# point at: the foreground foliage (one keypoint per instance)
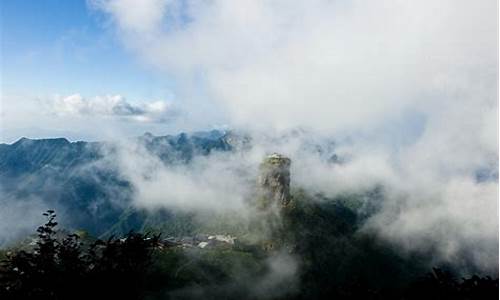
(335, 262)
(68, 269)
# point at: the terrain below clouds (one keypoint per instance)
(180, 184)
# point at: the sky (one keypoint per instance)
(382, 71)
(59, 48)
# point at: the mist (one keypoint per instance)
(408, 92)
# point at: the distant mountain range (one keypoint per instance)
(72, 178)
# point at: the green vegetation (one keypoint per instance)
(67, 269)
(317, 252)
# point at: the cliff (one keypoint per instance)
(274, 181)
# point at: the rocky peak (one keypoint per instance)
(237, 141)
(274, 180)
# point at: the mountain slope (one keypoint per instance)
(78, 180)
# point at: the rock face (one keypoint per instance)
(274, 181)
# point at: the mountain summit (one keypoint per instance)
(274, 180)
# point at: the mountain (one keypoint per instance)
(292, 244)
(76, 179)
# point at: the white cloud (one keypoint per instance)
(322, 64)
(140, 17)
(112, 106)
(207, 184)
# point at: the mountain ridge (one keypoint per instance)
(72, 177)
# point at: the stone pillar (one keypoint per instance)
(274, 181)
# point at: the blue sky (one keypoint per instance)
(59, 48)
(63, 47)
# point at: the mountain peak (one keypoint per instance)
(25, 140)
(274, 180)
(148, 135)
(22, 140)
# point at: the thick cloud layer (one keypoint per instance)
(323, 64)
(410, 87)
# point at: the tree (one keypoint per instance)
(68, 269)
